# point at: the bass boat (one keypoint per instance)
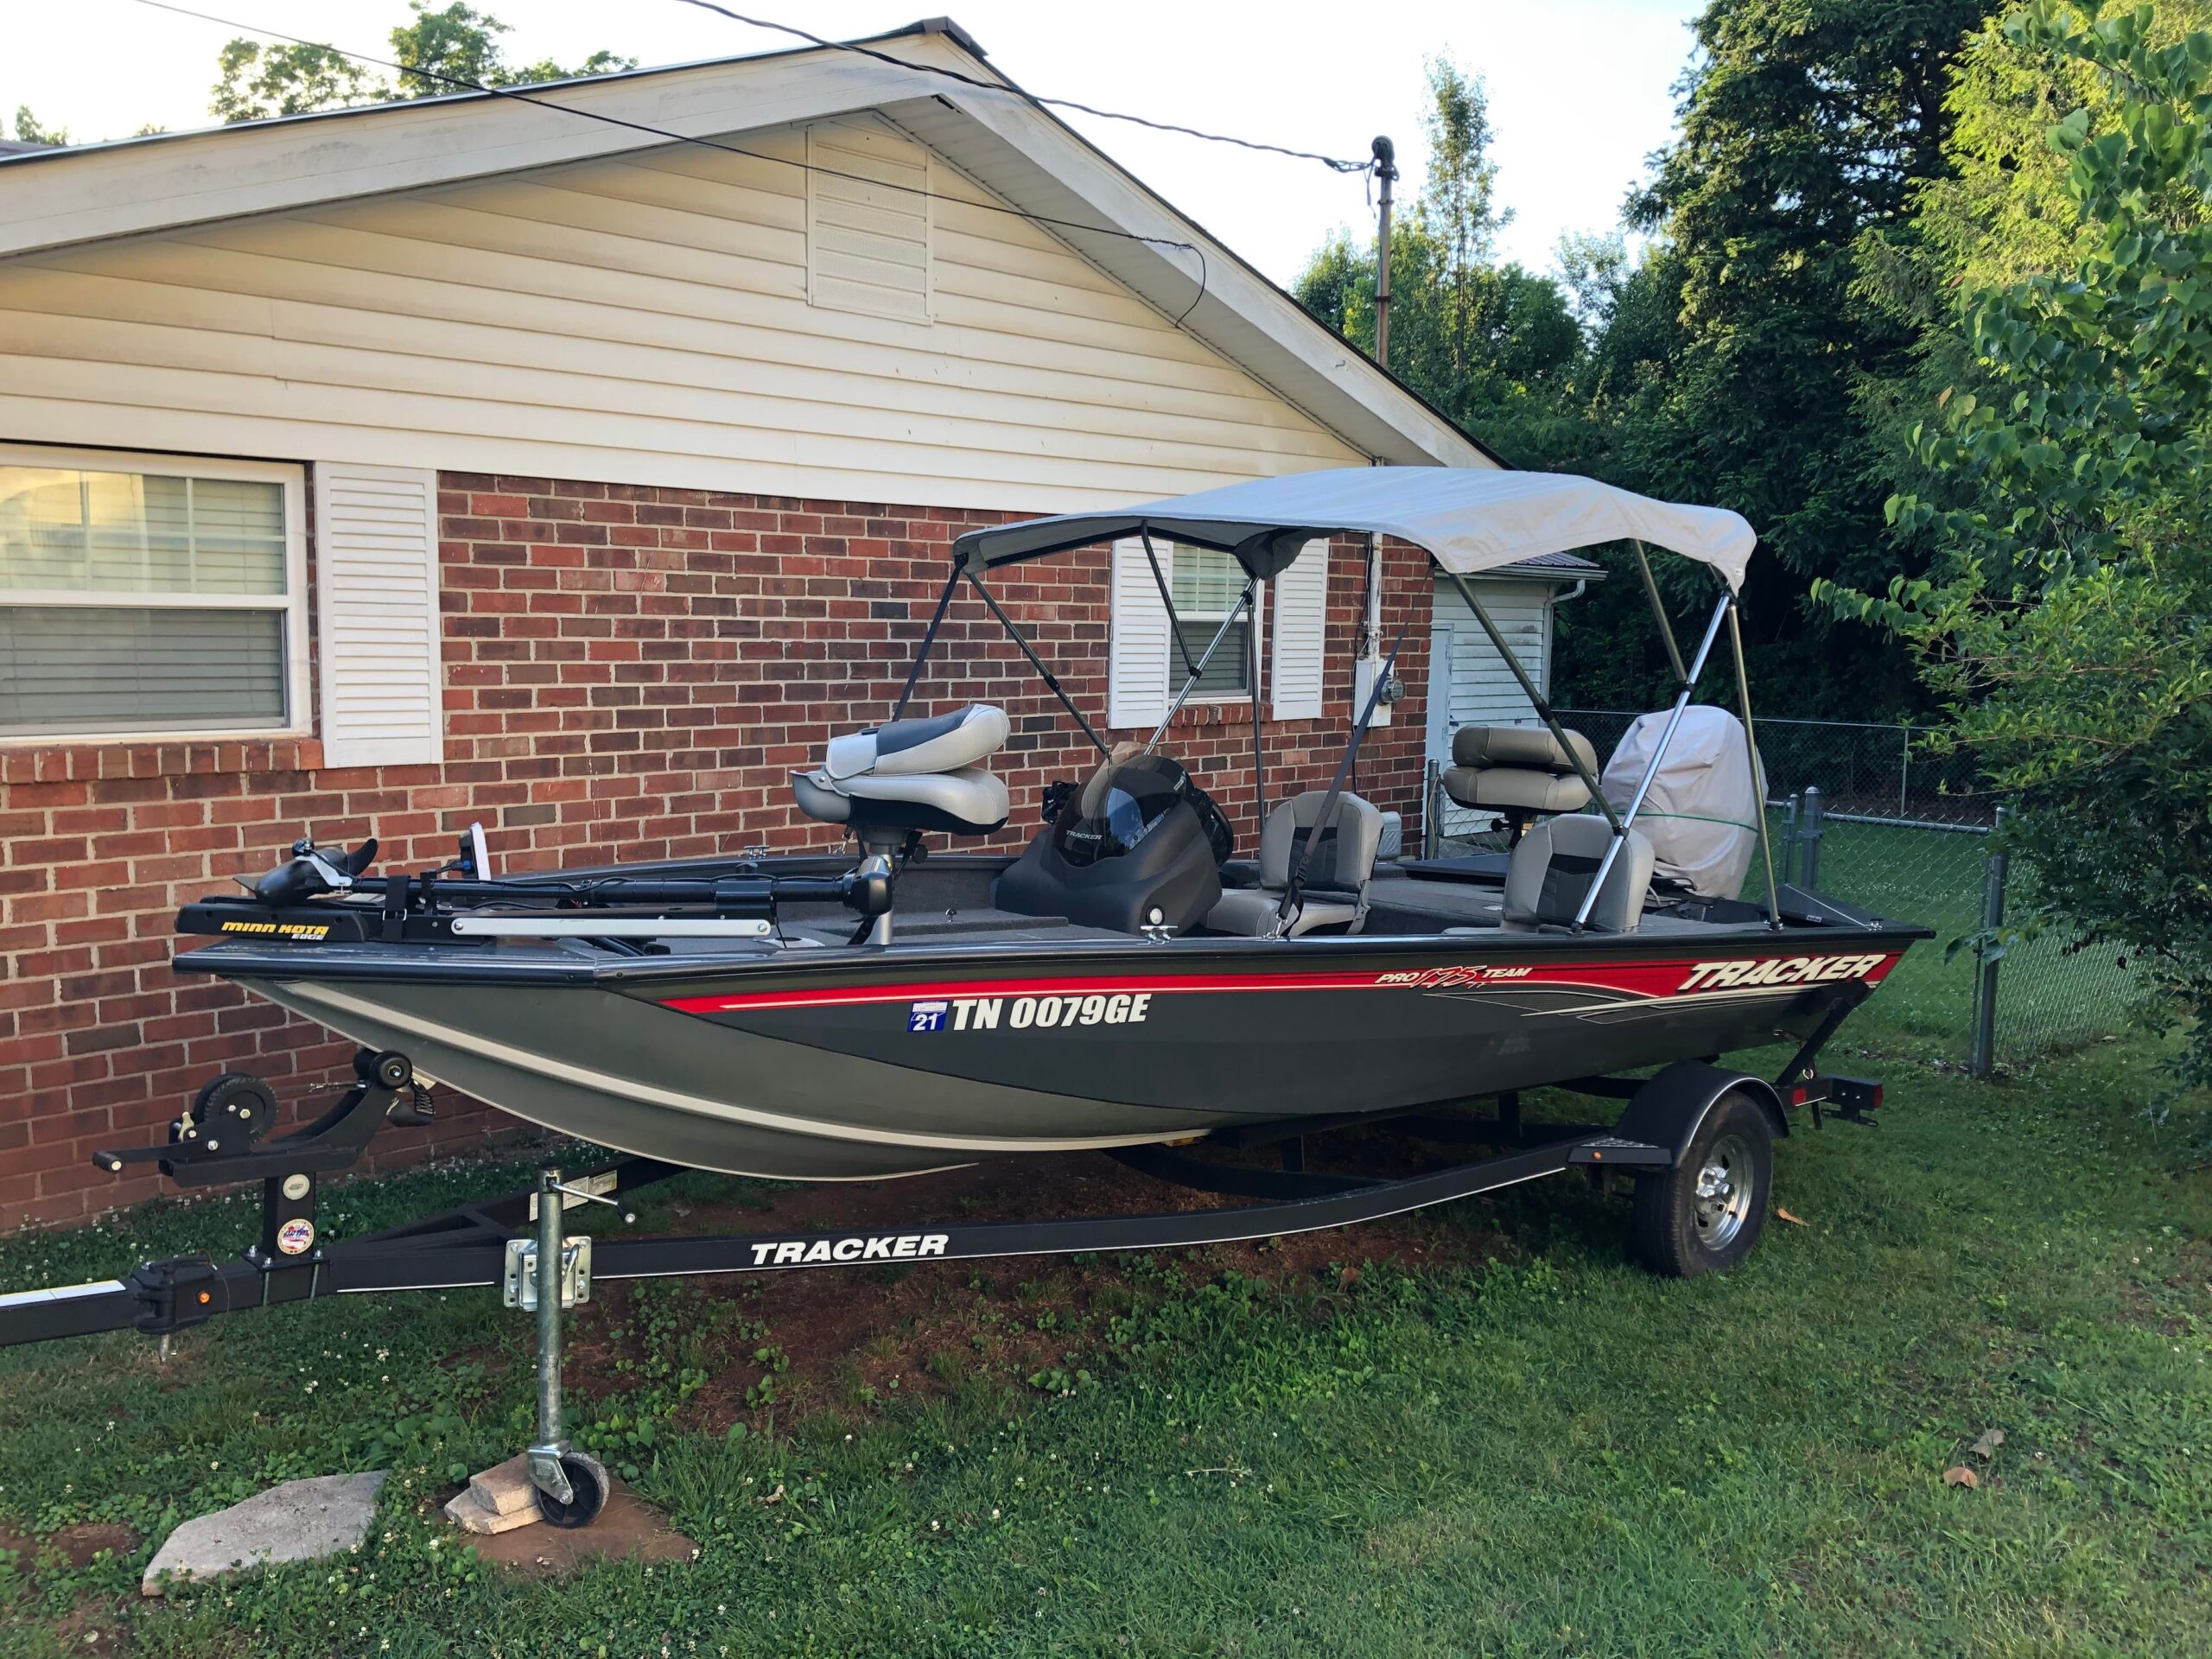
(1128, 978)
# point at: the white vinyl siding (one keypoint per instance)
(376, 569)
(867, 220)
(149, 593)
(1301, 633)
(645, 319)
(1469, 684)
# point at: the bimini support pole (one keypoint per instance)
(1659, 613)
(929, 638)
(1536, 699)
(1252, 655)
(1242, 608)
(1051, 681)
(1724, 610)
(1759, 773)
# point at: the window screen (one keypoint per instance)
(136, 601)
(1206, 585)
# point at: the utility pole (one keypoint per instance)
(1386, 171)
(1368, 656)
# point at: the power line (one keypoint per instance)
(462, 84)
(1337, 163)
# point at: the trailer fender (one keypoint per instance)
(1669, 1109)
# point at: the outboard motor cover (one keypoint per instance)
(1702, 814)
(1129, 850)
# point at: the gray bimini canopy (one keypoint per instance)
(1467, 519)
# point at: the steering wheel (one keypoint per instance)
(1214, 823)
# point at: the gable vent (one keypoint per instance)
(867, 229)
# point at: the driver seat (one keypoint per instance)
(1333, 893)
(912, 774)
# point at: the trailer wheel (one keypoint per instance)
(1706, 1212)
(588, 1487)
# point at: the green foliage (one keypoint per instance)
(435, 51)
(1496, 347)
(1804, 123)
(2064, 624)
(259, 82)
(29, 131)
(1725, 363)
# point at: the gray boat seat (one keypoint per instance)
(912, 774)
(1554, 866)
(1520, 773)
(1332, 892)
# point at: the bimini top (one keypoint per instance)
(1467, 519)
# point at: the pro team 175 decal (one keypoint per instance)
(1030, 1013)
(1648, 979)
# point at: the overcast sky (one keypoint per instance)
(1579, 89)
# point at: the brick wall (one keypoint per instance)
(631, 673)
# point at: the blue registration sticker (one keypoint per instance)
(927, 1016)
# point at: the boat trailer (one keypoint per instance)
(517, 1243)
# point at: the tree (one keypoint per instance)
(1803, 122)
(28, 131)
(1491, 346)
(437, 50)
(2067, 622)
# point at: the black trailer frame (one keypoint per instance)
(516, 1242)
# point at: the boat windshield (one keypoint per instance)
(1118, 806)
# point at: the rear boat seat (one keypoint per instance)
(1520, 773)
(912, 774)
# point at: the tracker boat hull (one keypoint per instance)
(830, 1064)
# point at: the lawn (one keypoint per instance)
(1479, 1431)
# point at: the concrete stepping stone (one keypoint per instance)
(299, 1521)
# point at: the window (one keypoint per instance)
(142, 593)
(1145, 668)
(1206, 586)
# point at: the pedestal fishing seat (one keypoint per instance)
(912, 774)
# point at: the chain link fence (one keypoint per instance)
(1865, 813)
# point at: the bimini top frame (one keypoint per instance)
(1467, 521)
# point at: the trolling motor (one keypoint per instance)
(322, 895)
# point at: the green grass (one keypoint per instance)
(1545, 1451)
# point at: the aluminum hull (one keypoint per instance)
(833, 1064)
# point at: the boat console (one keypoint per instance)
(1138, 846)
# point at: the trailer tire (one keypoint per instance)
(588, 1485)
(1707, 1213)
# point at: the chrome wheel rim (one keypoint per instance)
(1724, 1192)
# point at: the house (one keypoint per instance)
(477, 459)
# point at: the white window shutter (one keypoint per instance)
(1301, 633)
(1136, 674)
(376, 544)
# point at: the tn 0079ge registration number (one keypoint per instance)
(1031, 1012)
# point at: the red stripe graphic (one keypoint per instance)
(1665, 978)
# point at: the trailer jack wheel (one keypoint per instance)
(1705, 1214)
(587, 1478)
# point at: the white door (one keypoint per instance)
(1469, 684)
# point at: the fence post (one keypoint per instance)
(1809, 831)
(1788, 836)
(1983, 1060)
